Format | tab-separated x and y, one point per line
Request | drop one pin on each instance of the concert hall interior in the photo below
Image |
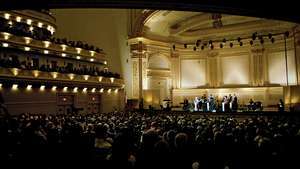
67	70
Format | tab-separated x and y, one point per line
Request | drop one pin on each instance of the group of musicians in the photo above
210	104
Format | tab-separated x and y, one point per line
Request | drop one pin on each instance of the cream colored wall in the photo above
193	73
104	28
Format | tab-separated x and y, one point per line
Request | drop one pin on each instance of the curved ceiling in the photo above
189	26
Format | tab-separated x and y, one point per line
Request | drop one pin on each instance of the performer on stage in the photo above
234	104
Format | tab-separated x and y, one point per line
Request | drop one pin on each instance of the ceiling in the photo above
185	27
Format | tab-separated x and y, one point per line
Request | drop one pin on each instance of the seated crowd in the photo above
142	140
43	34
13	62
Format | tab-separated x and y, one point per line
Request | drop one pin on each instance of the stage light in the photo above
112	79
273	40
231	44
93	90
109	90
185	45
75	90
78	57
63	55
0	85
29	21
18	19
78	50
116	90
40	24
29	87
42	88
84	90
251	42
100	78
53	88
5	45
195	48
14	87
10	23
6	15
287	33
241	43
65	89
46	51
105	62
31	28
27	48
92	60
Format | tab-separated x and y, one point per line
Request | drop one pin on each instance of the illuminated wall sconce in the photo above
78	57
75	90
29	87
78	50
27	40
105	62
112	79
93	90
64	99
86	77
54	75
36	73
27	48
63	55
65	89
71	76
40	24
6	15
92	60
101	90
6	35
18	19
116	90
92	53
15	71
100	78
42	88
31	28
53	88
46	52
84	90
63	47
14	87
93	98
109	91
29	21
46	44
5	45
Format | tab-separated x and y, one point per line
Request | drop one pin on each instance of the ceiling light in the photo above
65	89
63	55
42	88
84	90
29	21
18	19
109	90
75	90
27	48
101	90
6	15
78	57
5	45
93	90
40	24
29	87
92	60
46	51
14	87
53	88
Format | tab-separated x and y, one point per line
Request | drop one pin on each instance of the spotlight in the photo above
251	42
42	88
273	40
224	40
14	87
116	90
29	87
54	88
231	44
287	33
262	41
75	89
5	45
101	90
27	48
185	45
65	89
270	35
84	90
202	47
109	90
63	55
239	39
93	90
195	48
221	45
174	47
241	43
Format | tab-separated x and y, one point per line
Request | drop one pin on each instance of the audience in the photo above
140	140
